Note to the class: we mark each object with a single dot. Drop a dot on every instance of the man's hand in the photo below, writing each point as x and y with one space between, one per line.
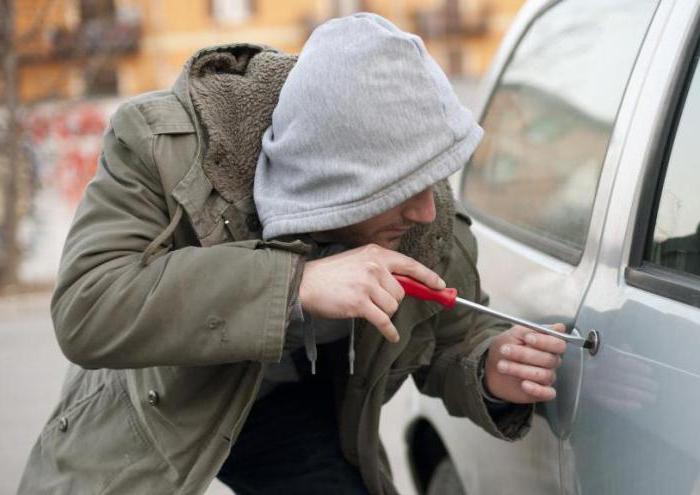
359 284
521 365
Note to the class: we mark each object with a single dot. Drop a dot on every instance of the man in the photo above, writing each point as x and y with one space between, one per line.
220 242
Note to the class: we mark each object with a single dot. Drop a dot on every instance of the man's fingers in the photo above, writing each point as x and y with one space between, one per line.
404 265
384 300
379 319
392 286
537 391
528 355
546 343
536 374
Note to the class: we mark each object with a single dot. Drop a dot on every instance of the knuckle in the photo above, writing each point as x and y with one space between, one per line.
372 249
356 305
517 331
549 377
365 286
393 306
401 293
372 267
518 352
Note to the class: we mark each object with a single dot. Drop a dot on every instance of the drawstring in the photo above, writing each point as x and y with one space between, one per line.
312 351
310 344
154 247
351 347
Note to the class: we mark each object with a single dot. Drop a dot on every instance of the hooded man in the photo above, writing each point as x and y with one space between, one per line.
227 292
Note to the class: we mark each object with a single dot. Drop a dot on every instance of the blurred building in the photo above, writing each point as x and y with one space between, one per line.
83 48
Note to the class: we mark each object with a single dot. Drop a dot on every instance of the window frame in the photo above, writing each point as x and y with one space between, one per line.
547 245
640 273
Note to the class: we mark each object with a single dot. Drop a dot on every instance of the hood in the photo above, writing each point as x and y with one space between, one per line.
365 120
231 91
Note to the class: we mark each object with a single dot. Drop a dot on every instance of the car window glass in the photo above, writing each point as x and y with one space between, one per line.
676 240
549 121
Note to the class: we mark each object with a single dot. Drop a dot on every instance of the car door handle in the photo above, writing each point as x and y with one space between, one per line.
448 299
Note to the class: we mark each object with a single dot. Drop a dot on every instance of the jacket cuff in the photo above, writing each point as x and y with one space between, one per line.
462 373
278 311
295 312
504 420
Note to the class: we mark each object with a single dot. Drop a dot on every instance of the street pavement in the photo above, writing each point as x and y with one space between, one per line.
31 374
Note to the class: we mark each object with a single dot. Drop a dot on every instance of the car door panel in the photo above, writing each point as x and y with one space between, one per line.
636 428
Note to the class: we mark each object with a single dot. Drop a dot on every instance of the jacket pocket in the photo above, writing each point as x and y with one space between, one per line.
416 355
93 441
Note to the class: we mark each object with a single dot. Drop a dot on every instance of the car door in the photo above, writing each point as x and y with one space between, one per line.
636 429
537 189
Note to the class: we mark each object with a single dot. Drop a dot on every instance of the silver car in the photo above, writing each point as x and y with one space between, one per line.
585 198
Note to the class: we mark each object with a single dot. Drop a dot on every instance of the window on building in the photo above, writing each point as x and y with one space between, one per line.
101 80
96 9
231 11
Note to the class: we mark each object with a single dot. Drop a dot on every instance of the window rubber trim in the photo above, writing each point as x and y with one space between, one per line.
539 241
666 282
640 273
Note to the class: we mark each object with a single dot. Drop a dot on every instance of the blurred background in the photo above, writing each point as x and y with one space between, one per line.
66 65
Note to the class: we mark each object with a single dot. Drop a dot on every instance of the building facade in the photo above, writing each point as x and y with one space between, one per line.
80 48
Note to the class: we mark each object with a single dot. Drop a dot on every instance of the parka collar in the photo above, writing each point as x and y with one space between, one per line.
208 191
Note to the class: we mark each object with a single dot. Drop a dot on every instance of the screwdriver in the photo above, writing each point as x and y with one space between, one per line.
448 299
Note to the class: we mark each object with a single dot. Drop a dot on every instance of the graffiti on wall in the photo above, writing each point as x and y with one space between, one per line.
66 140
63 142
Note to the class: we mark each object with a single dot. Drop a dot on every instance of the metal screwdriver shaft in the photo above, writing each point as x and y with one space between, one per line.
448 298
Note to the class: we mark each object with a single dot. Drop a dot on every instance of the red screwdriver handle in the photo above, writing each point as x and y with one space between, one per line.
445 297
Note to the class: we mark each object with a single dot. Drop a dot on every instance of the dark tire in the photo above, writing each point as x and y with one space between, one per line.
445 480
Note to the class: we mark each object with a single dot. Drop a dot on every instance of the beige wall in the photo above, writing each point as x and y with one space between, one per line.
174 29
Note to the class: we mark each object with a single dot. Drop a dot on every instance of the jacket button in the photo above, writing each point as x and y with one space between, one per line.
153 397
63 424
213 322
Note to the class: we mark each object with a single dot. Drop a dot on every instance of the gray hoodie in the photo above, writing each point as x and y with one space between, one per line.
365 120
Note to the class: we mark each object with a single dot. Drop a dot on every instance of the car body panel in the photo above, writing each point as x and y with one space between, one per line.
574 438
637 429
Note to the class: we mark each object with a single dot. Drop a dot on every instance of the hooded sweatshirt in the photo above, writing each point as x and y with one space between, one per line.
365 120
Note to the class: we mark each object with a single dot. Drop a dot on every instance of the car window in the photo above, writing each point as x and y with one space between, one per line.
675 242
549 121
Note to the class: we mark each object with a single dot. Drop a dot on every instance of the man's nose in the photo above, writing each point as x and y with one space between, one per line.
421 207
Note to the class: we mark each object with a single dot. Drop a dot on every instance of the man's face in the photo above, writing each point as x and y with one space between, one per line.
386 229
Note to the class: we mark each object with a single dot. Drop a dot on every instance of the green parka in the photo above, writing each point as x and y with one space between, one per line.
170 305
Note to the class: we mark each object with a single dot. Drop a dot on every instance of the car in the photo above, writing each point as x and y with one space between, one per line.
585 199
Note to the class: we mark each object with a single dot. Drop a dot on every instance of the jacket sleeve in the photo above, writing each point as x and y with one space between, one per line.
192 306
462 338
